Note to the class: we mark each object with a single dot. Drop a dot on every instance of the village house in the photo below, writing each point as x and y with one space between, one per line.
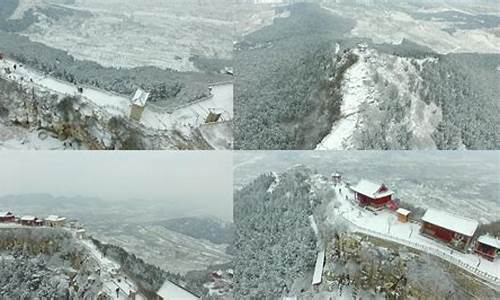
7 217
488 247
336 178
455 231
55 221
138 104
371 194
81 234
30 221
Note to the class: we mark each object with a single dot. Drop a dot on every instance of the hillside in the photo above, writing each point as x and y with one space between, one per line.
212 229
320 79
362 257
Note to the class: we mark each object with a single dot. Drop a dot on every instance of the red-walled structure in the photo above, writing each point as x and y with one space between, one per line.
7 217
372 194
455 231
488 247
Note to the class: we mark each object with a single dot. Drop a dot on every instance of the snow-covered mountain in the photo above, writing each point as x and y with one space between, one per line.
309 238
413 78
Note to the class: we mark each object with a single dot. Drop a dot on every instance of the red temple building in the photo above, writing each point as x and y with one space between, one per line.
488 247
371 194
31 221
455 231
7 217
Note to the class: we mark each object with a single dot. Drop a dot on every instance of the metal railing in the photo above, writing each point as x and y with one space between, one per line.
430 250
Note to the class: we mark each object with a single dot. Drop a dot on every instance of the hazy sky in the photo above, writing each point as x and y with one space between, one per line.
202 178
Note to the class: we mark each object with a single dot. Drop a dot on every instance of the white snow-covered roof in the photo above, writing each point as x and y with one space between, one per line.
452 222
318 268
53 218
370 189
335 174
403 211
28 218
140 97
5 213
170 290
489 240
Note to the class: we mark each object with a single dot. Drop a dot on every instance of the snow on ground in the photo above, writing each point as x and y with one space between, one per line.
171 291
112 104
192 114
130 33
275 183
17 138
359 89
392 26
355 93
384 225
169 250
110 274
218 135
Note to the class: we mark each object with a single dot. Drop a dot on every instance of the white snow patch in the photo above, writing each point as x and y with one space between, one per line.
355 92
170 290
275 183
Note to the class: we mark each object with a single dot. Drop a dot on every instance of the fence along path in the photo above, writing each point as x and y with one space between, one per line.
433 251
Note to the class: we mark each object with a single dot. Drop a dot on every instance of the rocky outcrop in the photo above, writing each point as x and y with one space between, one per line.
70 118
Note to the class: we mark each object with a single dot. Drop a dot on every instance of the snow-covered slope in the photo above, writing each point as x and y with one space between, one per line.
105 105
384 24
379 82
129 33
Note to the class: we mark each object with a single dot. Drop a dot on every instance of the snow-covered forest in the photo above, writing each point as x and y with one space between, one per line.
275 243
44 264
283 96
308 81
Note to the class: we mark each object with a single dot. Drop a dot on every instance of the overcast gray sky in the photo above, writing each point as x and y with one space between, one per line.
202 178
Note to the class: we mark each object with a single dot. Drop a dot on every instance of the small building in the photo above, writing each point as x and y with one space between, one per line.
213 117
403 215
81 234
318 268
455 231
488 247
336 177
138 104
216 275
29 221
372 194
7 217
2 56
55 221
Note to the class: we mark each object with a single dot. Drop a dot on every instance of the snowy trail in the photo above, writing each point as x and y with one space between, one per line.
184 118
384 225
108 269
193 115
355 93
